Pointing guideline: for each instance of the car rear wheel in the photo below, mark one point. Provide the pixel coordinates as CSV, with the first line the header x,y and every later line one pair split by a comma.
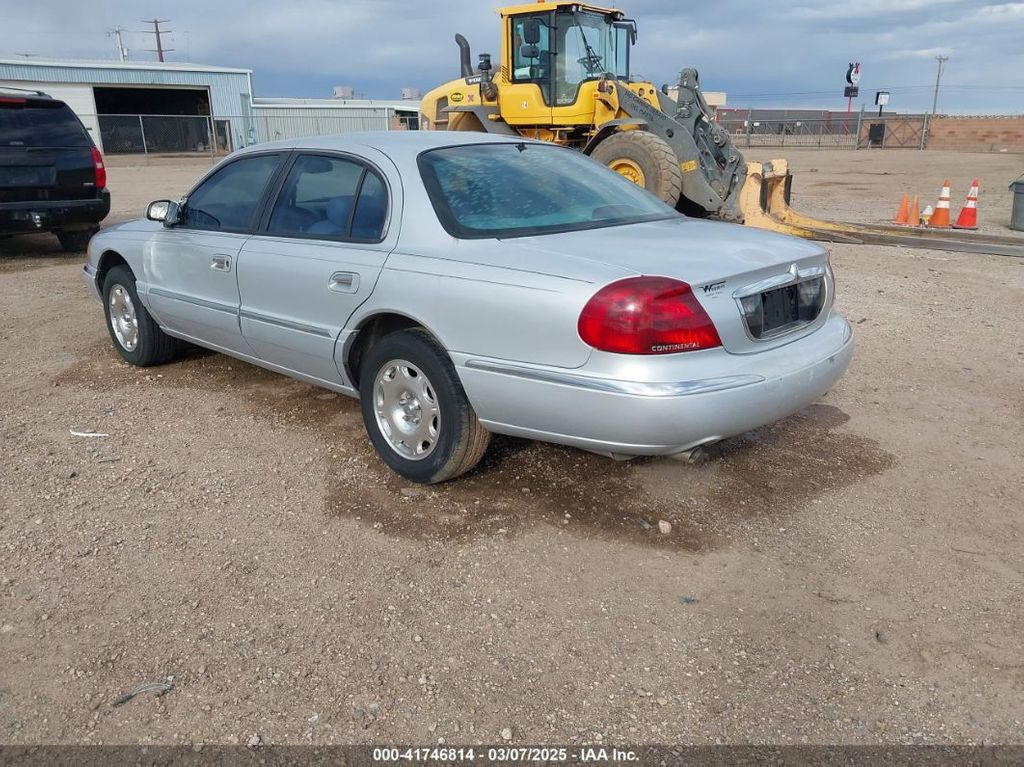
x,y
416,411
76,241
136,336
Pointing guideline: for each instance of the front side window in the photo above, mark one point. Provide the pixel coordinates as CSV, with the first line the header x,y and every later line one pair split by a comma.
x,y
586,51
521,189
330,197
228,199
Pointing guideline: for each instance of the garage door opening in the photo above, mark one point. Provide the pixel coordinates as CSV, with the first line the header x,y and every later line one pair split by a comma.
x,y
158,120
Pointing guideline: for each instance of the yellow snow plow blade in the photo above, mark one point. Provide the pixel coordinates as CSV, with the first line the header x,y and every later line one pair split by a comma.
x,y
764,203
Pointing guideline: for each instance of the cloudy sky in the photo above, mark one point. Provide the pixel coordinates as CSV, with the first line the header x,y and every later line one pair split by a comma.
x,y
784,53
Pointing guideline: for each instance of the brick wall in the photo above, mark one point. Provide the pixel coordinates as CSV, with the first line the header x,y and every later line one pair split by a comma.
x,y
977,134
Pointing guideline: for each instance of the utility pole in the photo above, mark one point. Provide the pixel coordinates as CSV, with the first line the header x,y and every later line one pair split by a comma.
x,y
159,50
122,52
938,79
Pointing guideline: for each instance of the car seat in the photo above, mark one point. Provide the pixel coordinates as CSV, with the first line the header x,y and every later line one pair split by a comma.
x,y
338,209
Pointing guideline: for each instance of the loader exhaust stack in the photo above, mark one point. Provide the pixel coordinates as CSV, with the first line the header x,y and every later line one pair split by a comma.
x,y
465,58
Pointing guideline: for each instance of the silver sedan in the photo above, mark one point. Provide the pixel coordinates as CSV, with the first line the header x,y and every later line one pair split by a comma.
x,y
462,285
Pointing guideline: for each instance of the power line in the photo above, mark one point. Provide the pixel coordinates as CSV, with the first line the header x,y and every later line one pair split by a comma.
x,y
118,32
157,32
938,78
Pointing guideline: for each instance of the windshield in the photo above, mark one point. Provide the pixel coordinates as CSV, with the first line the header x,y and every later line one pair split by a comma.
x,y
516,190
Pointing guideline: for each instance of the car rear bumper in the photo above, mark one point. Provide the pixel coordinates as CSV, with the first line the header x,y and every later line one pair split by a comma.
x,y
624,418
53,215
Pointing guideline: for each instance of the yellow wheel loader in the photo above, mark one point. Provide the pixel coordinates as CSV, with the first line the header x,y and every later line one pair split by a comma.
x,y
564,77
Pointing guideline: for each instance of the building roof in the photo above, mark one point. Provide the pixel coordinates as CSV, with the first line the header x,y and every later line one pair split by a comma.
x,y
170,66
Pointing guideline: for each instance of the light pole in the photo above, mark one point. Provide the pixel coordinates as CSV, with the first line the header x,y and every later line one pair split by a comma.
x,y
938,79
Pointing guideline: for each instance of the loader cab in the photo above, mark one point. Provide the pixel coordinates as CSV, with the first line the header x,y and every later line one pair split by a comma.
x,y
552,50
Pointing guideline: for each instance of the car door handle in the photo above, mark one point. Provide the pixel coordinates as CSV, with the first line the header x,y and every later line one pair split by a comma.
x,y
343,282
221,263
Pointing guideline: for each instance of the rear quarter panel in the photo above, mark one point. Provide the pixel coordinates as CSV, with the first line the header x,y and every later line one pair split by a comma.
x,y
485,309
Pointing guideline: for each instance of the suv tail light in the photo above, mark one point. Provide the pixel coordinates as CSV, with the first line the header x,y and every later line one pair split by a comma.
x,y
646,315
100,169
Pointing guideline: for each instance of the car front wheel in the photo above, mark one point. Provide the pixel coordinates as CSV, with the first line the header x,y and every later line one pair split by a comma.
x,y
136,336
416,411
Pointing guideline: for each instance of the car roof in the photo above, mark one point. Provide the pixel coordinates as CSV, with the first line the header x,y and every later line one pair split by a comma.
x,y
392,143
30,97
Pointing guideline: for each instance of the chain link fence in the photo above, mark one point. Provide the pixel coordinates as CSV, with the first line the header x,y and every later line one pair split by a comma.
x,y
216,136
808,128
163,134
202,134
776,128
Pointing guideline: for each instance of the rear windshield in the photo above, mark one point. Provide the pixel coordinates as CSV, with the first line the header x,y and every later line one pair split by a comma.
x,y
25,122
516,190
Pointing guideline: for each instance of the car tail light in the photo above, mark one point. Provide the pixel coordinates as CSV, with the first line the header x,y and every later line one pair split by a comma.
x,y
646,315
100,168
6,100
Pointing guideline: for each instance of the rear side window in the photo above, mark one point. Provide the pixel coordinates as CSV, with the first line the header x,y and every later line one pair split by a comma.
x,y
330,197
26,122
228,199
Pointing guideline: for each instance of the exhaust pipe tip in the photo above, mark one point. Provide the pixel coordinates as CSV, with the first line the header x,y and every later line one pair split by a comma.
x,y
465,59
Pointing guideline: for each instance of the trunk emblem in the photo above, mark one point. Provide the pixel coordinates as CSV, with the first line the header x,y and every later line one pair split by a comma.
x,y
712,288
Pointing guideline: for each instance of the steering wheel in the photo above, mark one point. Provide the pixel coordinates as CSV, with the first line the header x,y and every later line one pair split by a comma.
x,y
592,63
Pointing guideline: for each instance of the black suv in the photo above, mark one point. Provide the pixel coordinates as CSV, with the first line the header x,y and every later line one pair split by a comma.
x,y
52,177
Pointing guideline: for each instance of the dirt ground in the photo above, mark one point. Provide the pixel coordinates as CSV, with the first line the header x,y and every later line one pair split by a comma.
x,y
850,575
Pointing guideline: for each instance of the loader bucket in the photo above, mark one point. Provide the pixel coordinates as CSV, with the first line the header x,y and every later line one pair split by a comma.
x,y
764,200
764,203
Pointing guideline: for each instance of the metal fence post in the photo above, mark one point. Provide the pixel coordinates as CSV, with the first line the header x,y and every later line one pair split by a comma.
x,y
750,124
142,132
212,141
924,132
860,121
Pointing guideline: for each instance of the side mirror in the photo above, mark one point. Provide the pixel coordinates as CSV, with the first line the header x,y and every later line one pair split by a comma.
x,y
531,30
529,52
165,211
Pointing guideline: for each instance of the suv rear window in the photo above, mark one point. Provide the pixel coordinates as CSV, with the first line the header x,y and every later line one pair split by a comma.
x,y
27,122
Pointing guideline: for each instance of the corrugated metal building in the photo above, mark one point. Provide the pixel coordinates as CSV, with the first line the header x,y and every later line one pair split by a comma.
x,y
284,118
105,93
167,107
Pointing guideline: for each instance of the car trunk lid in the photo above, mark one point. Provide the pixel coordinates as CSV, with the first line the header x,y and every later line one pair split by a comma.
x,y
756,286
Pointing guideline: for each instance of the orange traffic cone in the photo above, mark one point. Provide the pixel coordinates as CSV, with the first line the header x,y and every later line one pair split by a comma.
x,y
914,219
968,218
940,218
903,215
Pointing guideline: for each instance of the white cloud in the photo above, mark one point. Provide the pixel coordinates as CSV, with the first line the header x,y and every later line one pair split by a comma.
x,y
756,48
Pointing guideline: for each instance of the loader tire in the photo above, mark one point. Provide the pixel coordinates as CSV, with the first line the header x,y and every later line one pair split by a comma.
x,y
646,160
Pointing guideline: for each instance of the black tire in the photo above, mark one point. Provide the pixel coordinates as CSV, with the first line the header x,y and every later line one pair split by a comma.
x,y
76,241
152,346
651,154
460,441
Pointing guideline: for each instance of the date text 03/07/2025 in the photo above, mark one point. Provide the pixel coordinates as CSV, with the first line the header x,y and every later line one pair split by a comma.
x,y
503,754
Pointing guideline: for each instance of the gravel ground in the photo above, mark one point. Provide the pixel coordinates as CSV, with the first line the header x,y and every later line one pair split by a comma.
x,y
850,575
